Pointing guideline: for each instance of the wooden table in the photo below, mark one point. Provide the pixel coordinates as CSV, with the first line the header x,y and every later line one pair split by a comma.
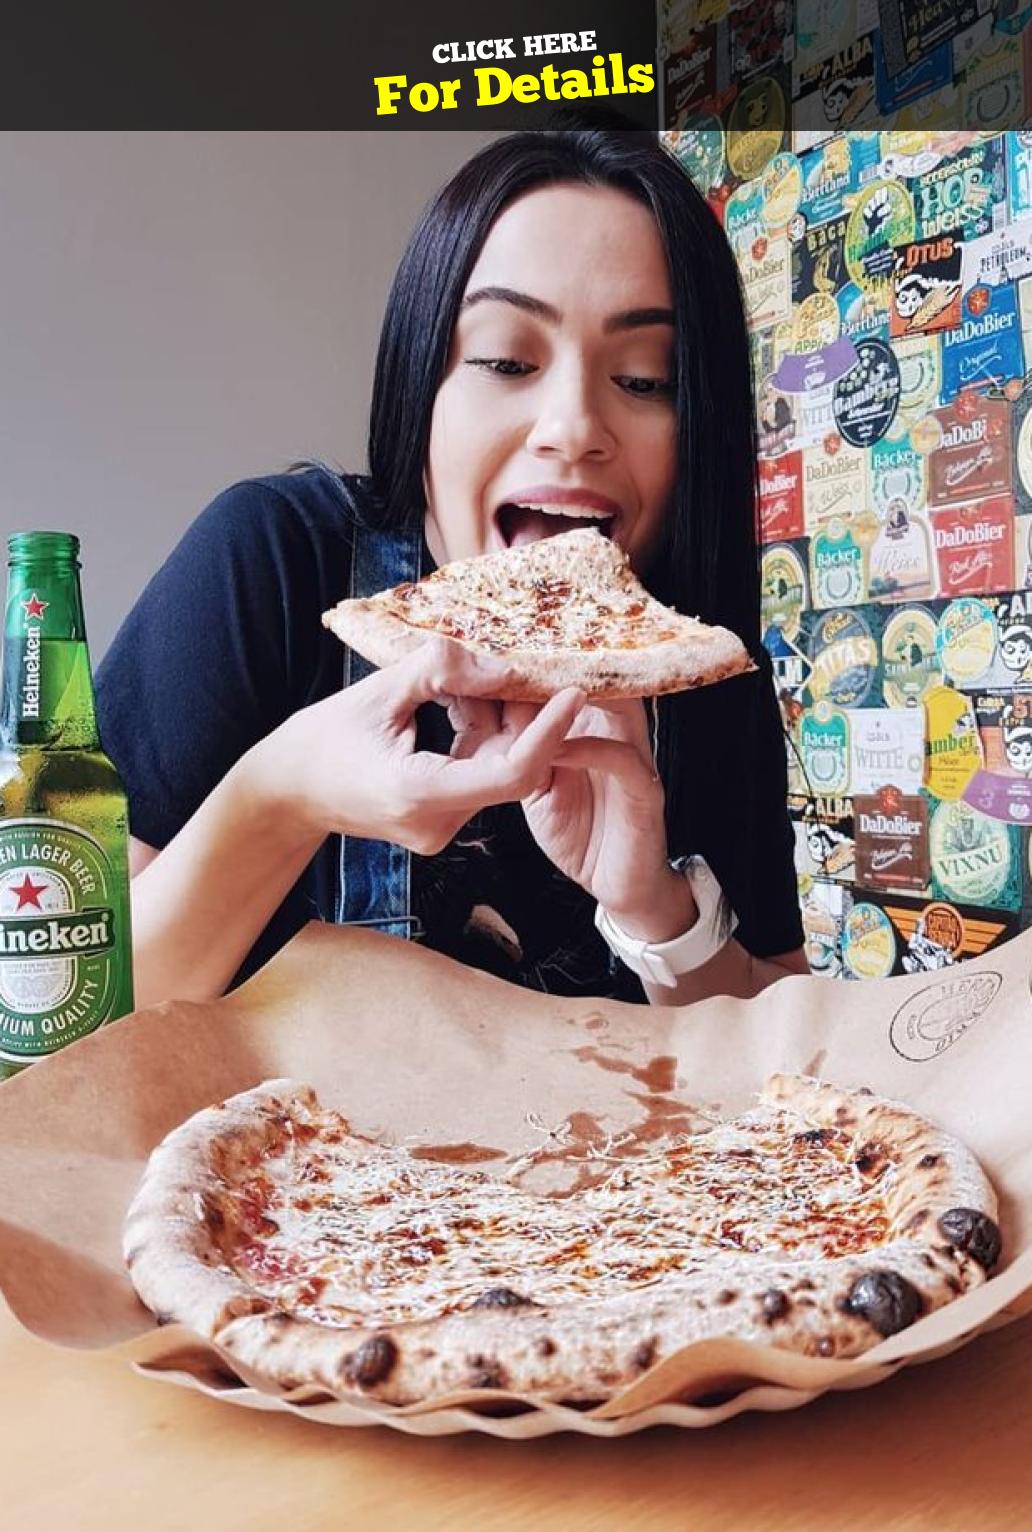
x,y
87,1444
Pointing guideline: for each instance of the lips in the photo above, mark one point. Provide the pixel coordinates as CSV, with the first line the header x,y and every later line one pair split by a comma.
x,y
545,510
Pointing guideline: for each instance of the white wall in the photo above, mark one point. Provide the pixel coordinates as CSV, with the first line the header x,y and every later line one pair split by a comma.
x,y
178,310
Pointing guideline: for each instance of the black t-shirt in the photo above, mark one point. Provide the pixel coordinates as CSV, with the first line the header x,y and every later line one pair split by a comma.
x,y
226,642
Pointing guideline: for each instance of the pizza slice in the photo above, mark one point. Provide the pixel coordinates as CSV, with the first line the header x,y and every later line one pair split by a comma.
x,y
563,611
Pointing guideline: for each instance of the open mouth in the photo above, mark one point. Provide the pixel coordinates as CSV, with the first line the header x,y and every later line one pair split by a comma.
x,y
519,524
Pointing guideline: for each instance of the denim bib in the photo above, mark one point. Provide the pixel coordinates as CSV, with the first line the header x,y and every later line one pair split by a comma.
x,y
375,878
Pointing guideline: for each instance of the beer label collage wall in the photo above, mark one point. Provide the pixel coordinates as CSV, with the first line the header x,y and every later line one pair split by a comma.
x,y
887,276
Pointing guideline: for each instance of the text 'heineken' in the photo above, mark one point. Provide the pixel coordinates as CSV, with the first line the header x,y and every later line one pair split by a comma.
x,y
65,947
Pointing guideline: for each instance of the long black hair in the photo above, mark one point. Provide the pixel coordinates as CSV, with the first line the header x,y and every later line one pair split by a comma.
x,y
708,566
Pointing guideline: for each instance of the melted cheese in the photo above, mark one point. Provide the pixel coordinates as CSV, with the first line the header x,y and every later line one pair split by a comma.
x,y
348,1232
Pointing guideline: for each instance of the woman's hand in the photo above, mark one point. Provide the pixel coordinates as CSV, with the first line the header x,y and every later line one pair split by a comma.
x,y
598,814
349,764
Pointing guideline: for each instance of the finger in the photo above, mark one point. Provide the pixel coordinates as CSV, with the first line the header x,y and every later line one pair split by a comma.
x,y
474,720
615,758
441,668
483,779
624,718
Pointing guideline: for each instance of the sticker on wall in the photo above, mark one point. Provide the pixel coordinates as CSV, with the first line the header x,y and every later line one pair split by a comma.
x,y
926,286
835,169
964,195
1022,422
781,497
986,350
838,565
765,268
868,943
954,749
936,935
1005,256
901,566
898,473
756,127
1019,173
920,375
910,661
823,906
744,222
865,312
867,398
782,184
1001,797
844,655
834,481
824,746
700,151
1023,551
824,845
973,458
818,259
837,92
974,545
992,89
966,641
975,859
882,216
887,748
891,831
695,73
1013,617
789,665
783,588
918,80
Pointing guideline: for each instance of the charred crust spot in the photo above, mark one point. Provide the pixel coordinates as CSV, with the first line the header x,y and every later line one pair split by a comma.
x,y
886,1300
929,1161
546,1347
843,1114
775,1304
371,1362
501,1298
973,1232
812,1136
132,1256
805,1284
725,1296
915,1222
645,1354
486,1372
163,1317
865,1163
826,1346
954,1284
927,1259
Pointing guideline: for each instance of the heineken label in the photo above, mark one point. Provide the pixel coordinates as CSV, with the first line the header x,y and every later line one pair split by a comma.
x,y
58,954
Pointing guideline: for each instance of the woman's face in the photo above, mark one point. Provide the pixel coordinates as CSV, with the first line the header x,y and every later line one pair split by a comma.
x,y
557,407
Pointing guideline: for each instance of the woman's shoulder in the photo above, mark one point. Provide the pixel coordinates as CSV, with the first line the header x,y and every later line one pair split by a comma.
x,y
309,501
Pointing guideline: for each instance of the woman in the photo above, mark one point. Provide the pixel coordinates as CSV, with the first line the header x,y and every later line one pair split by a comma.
x,y
564,342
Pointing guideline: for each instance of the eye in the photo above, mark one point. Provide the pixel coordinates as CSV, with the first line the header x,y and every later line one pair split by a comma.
x,y
501,366
645,388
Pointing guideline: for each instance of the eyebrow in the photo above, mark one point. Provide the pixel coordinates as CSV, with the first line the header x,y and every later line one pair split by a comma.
x,y
629,319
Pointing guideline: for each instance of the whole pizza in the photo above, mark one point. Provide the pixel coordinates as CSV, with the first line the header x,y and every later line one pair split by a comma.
x,y
564,611
819,1222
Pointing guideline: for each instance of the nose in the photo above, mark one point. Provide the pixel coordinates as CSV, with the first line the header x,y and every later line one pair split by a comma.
x,y
569,421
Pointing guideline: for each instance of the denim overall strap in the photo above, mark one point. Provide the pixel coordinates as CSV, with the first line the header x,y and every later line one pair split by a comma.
x,y
374,887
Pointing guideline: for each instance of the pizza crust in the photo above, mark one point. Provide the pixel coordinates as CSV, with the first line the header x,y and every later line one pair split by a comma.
x,y
694,653
580,1351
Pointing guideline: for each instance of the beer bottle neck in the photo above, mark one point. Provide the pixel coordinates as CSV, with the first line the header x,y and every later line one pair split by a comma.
x,y
47,698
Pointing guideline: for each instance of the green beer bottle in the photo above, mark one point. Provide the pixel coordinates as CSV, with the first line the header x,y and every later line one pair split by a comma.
x,y
65,945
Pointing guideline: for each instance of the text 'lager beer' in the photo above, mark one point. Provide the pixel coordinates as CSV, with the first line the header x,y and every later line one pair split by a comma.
x,y
65,947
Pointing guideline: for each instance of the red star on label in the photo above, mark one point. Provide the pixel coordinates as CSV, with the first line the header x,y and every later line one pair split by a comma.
x,y
29,892
978,300
34,607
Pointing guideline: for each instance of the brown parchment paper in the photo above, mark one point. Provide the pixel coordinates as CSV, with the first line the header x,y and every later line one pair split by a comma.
x,y
421,1051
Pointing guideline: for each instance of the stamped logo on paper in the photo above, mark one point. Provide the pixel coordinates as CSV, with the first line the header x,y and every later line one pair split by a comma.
x,y
932,1020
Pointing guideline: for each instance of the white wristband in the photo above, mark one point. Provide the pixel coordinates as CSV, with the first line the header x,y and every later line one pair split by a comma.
x,y
663,962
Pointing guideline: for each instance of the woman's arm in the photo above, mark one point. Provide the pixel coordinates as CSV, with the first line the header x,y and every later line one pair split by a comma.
x,y
346,765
